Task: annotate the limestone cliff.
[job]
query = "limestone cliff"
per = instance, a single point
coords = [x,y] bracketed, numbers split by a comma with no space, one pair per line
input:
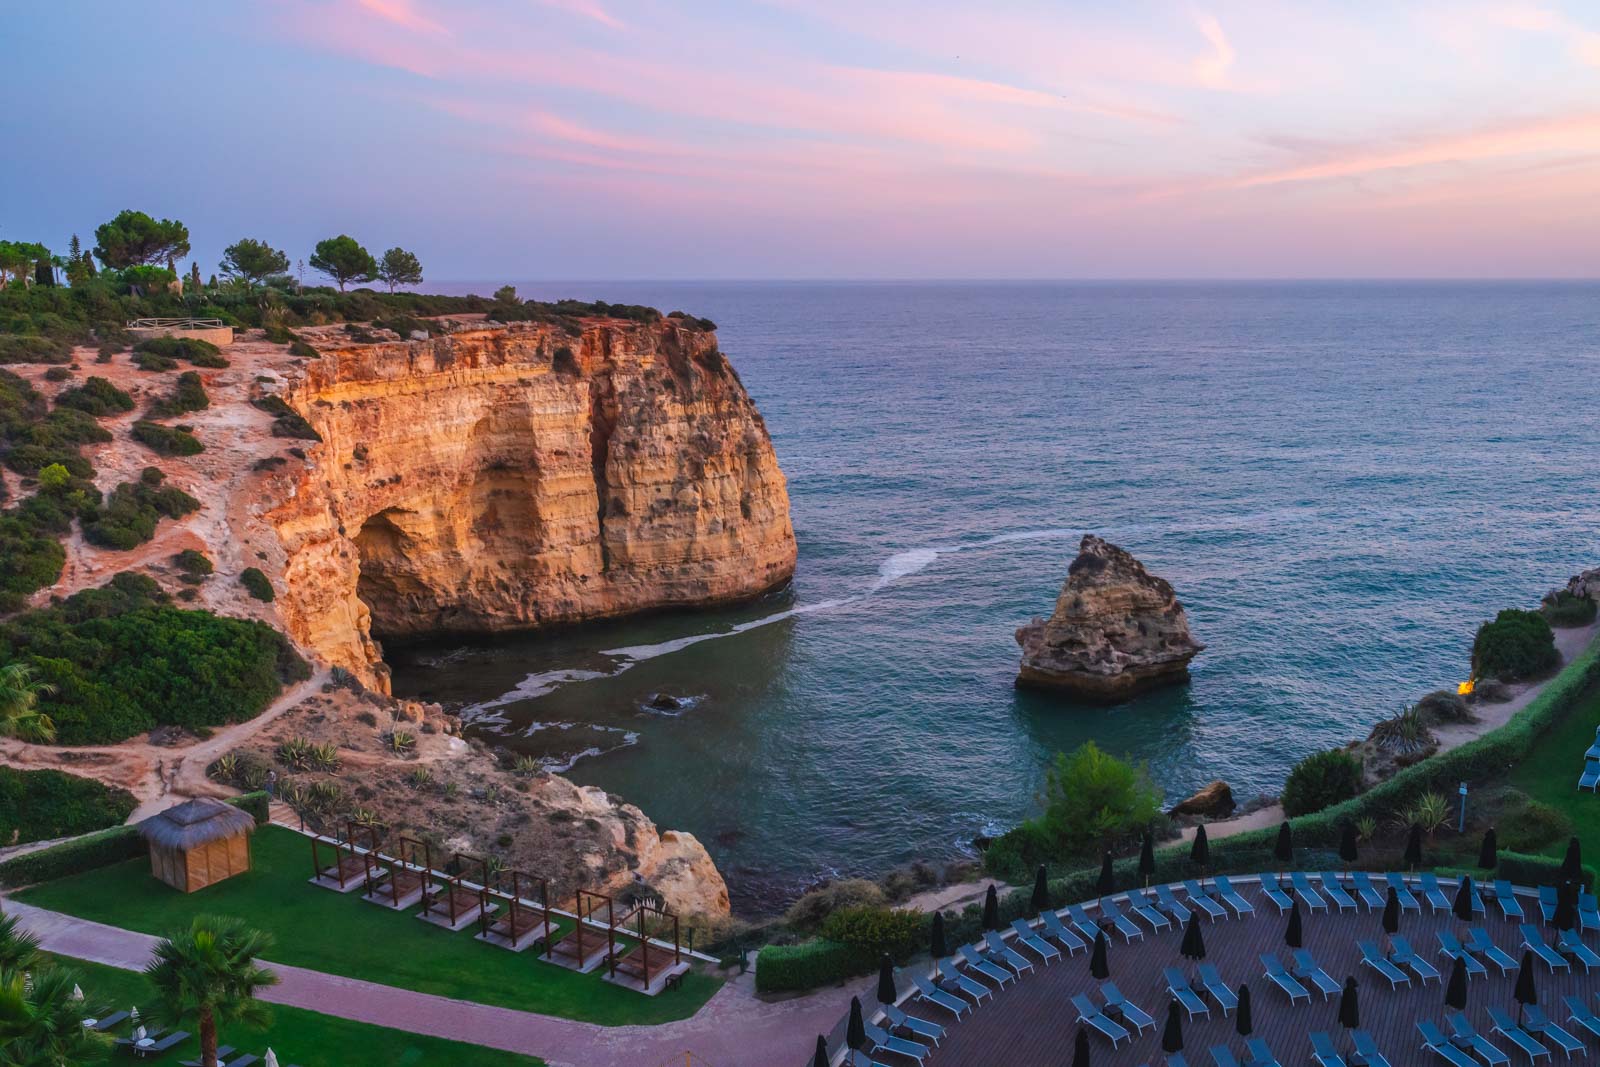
[1117,630]
[517,476]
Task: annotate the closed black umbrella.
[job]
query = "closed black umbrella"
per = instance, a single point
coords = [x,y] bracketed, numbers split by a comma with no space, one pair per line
[1108,880]
[1172,1035]
[1526,993]
[1462,905]
[1347,843]
[1097,959]
[1293,935]
[1566,916]
[1350,1005]
[1572,862]
[1283,851]
[886,990]
[1147,858]
[1200,851]
[1391,913]
[1080,1048]
[940,949]
[855,1034]
[1489,851]
[821,1058]
[1041,891]
[991,909]
[1414,846]
[1194,942]
[1241,1018]
[1455,992]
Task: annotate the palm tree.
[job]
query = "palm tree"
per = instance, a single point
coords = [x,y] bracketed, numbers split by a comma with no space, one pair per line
[19,950]
[19,705]
[41,1024]
[209,974]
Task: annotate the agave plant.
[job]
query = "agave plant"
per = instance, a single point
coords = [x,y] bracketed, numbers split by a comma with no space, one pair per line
[1405,734]
[450,789]
[323,796]
[401,742]
[366,818]
[526,766]
[226,769]
[253,776]
[325,757]
[491,794]
[291,792]
[295,753]
[1366,827]
[419,777]
[1432,811]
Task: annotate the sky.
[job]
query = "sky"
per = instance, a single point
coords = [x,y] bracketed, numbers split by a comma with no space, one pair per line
[700,139]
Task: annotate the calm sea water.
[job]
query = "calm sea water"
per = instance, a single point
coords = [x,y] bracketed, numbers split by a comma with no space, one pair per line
[1341,481]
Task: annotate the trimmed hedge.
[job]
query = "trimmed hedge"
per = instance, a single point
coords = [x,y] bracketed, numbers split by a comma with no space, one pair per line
[790,968]
[40,805]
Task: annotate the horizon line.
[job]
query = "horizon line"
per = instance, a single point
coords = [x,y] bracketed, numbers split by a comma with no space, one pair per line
[1005,280]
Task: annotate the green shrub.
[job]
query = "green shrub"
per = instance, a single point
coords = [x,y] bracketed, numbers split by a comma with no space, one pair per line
[189,394]
[26,349]
[299,348]
[128,517]
[1569,609]
[809,912]
[874,931]
[96,396]
[153,362]
[1521,869]
[790,968]
[40,805]
[257,584]
[189,349]
[1517,644]
[193,562]
[1320,780]
[288,421]
[1091,800]
[166,440]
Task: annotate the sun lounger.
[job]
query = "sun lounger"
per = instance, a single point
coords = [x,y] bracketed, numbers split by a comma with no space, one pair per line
[1000,952]
[1223,1056]
[1178,986]
[1408,901]
[1571,944]
[249,1059]
[1125,1010]
[1371,957]
[861,1059]
[1588,911]
[887,1042]
[1261,1054]
[1308,893]
[1172,905]
[1536,1022]
[167,1041]
[1082,923]
[1232,897]
[1283,979]
[1334,888]
[899,1020]
[1593,751]
[1581,1015]
[1176,1060]
[1306,969]
[1323,1052]
[955,979]
[100,1026]
[1275,893]
[1216,988]
[931,993]
[1531,938]
[1548,902]
[1120,922]
[1430,890]
[989,969]
[1482,1047]
[1200,899]
[1366,890]
[1033,942]
[1507,1027]
[1506,897]
[222,1057]
[1478,941]
[1451,948]
[1140,905]
[1368,1050]
[1590,778]
[151,1034]
[1433,1039]
[1088,1013]
[1407,957]
[1068,939]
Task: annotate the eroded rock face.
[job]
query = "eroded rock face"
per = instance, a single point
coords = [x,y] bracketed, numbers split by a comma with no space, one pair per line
[515,477]
[1117,630]
[1214,801]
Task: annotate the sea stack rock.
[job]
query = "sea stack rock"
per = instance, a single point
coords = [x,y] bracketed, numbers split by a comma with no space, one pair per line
[1117,631]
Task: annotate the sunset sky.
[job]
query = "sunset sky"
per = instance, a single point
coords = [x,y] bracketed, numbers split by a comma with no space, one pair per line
[824,138]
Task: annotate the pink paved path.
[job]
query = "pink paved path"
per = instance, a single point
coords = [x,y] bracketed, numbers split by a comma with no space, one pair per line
[734,1029]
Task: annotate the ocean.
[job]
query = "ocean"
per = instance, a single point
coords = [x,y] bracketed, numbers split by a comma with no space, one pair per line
[1341,481]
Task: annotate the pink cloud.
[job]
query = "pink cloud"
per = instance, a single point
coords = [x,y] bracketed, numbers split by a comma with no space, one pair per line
[588,9]
[401,13]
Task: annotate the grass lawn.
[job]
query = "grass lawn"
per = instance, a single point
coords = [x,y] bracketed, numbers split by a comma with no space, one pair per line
[305,1038]
[1550,774]
[344,935]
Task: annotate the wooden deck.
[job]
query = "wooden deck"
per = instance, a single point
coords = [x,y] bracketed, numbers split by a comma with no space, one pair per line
[1031,1021]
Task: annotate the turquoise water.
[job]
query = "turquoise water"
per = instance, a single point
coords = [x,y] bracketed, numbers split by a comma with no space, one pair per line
[1340,480]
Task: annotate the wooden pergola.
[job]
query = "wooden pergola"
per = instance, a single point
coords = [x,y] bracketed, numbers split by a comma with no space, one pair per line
[406,881]
[522,919]
[455,905]
[581,948]
[350,864]
[645,962]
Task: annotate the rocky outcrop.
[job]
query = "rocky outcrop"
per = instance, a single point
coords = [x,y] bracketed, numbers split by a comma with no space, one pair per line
[1214,801]
[1117,631]
[517,477]
[1586,585]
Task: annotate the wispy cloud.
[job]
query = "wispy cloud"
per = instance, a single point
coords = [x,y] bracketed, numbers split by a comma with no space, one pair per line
[587,9]
[401,13]
[1213,68]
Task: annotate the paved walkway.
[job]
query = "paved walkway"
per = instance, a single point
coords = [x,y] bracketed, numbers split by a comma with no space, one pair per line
[733,1029]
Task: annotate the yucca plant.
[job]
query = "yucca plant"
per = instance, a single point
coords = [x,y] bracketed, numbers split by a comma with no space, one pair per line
[291,792]
[295,753]
[323,796]
[450,789]
[526,766]
[1366,827]
[325,757]
[226,769]
[401,742]
[419,777]
[491,794]
[366,818]
[1432,811]
[253,776]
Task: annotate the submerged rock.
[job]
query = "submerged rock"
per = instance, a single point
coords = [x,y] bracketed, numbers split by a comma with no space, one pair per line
[1214,801]
[666,702]
[1117,631]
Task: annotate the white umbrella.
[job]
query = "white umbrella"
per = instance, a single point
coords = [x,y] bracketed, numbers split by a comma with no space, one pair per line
[133,1013]
[271,1060]
[77,993]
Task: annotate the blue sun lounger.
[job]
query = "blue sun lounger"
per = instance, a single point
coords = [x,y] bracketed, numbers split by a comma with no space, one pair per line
[1506,897]
[1368,1049]
[1366,890]
[1434,1040]
[1588,911]
[1275,893]
[1178,986]
[1537,1023]
[1223,1056]
[1172,905]
[986,967]
[1030,940]
[1571,944]
[1202,900]
[1323,1052]
[1232,897]
[1122,1008]
[1590,778]
[1334,888]
[1408,901]
[883,1040]
[931,993]
[1068,939]
[1120,922]
[1407,957]
[1088,1013]
[1531,938]
[1451,948]
[1211,981]
[1508,1028]
[1283,979]
[1002,953]
[1261,1054]
[1307,970]
[1371,957]
[1482,1047]
[1548,902]
[1581,1015]
[1140,905]
[1307,891]
[1082,923]
[1177,1060]
[899,1020]
[1430,889]
[1594,749]
[1478,941]
[954,978]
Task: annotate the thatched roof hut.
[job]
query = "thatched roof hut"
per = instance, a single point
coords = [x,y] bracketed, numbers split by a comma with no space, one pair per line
[198,843]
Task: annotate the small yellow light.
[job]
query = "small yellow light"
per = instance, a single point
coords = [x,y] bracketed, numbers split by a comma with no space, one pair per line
[1465,688]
